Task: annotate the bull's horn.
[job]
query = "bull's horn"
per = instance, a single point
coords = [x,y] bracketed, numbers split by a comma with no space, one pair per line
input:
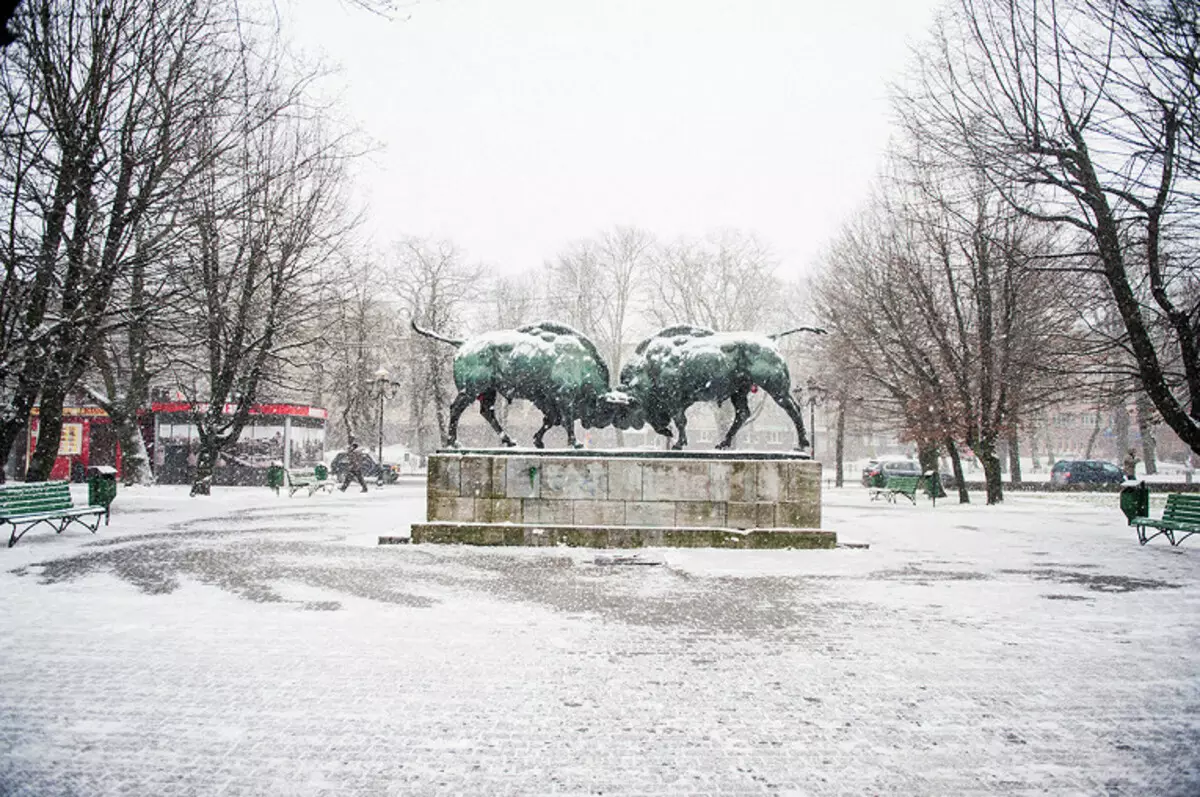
[814,330]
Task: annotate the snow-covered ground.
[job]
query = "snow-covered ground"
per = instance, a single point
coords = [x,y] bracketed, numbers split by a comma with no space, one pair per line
[250,644]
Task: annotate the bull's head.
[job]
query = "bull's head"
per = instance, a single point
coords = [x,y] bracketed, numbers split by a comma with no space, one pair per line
[619,409]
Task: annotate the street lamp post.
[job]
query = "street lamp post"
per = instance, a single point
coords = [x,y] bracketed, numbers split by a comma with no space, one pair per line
[814,391]
[384,389]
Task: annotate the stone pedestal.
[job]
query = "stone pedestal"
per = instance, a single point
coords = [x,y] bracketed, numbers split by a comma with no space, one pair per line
[623,498]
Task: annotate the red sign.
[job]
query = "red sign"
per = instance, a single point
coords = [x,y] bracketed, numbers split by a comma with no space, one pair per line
[300,410]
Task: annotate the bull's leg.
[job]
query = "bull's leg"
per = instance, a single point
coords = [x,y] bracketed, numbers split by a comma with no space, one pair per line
[460,403]
[661,424]
[548,423]
[681,425]
[741,414]
[487,408]
[569,425]
[796,414]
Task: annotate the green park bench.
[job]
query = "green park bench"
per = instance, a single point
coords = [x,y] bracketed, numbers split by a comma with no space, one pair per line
[1180,518]
[310,479]
[24,506]
[907,486]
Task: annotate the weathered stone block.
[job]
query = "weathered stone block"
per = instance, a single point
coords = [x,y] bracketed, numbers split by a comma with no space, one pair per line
[460,510]
[798,515]
[574,479]
[649,513]
[699,513]
[499,466]
[749,515]
[690,538]
[625,538]
[790,539]
[624,480]
[768,483]
[742,481]
[537,510]
[720,474]
[522,477]
[443,476]
[498,510]
[675,480]
[467,534]
[598,513]
[801,480]
[476,478]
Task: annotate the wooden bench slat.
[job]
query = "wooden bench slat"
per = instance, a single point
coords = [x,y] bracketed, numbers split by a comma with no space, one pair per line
[35,494]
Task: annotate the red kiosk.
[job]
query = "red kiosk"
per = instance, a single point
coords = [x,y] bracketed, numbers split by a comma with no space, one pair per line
[293,434]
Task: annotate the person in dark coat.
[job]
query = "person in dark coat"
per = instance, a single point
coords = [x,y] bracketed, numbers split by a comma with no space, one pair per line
[354,466]
[1131,462]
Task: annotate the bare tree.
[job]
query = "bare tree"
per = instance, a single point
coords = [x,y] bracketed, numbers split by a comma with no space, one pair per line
[356,321]
[934,302]
[104,99]
[437,288]
[595,285]
[727,282]
[263,218]
[1082,114]
[511,301]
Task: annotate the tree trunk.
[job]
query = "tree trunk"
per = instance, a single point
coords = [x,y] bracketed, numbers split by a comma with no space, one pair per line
[992,477]
[1014,456]
[10,430]
[840,443]
[1120,427]
[959,477]
[956,467]
[1087,454]
[206,463]
[927,455]
[135,459]
[50,422]
[1145,422]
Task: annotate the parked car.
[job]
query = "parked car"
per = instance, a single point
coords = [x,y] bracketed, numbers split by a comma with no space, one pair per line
[1085,471]
[370,468]
[877,470]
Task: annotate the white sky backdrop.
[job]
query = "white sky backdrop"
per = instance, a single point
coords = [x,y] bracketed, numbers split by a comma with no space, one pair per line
[515,126]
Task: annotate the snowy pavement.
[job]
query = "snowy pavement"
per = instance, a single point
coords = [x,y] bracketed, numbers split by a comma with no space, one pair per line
[250,644]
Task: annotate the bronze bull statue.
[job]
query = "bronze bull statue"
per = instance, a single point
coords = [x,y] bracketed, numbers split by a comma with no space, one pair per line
[682,365]
[548,364]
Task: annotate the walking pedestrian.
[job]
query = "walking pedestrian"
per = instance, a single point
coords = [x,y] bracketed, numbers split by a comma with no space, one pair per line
[1131,462]
[354,465]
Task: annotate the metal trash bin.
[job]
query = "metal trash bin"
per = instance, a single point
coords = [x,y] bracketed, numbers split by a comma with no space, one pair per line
[275,476]
[321,472]
[1135,501]
[102,487]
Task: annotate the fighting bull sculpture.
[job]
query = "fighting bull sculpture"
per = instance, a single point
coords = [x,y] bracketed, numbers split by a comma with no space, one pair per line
[546,363]
[682,365]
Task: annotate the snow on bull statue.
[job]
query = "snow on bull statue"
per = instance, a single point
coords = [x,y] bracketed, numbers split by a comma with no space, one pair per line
[682,365]
[547,363]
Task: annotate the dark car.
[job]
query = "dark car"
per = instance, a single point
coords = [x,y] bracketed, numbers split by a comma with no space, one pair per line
[370,468]
[1085,471]
[877,470]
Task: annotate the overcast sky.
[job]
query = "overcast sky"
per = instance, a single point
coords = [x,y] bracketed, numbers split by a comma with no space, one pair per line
[515,126]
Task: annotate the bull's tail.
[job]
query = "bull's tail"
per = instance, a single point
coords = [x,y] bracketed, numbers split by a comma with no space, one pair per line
[434,335]
[814,330]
